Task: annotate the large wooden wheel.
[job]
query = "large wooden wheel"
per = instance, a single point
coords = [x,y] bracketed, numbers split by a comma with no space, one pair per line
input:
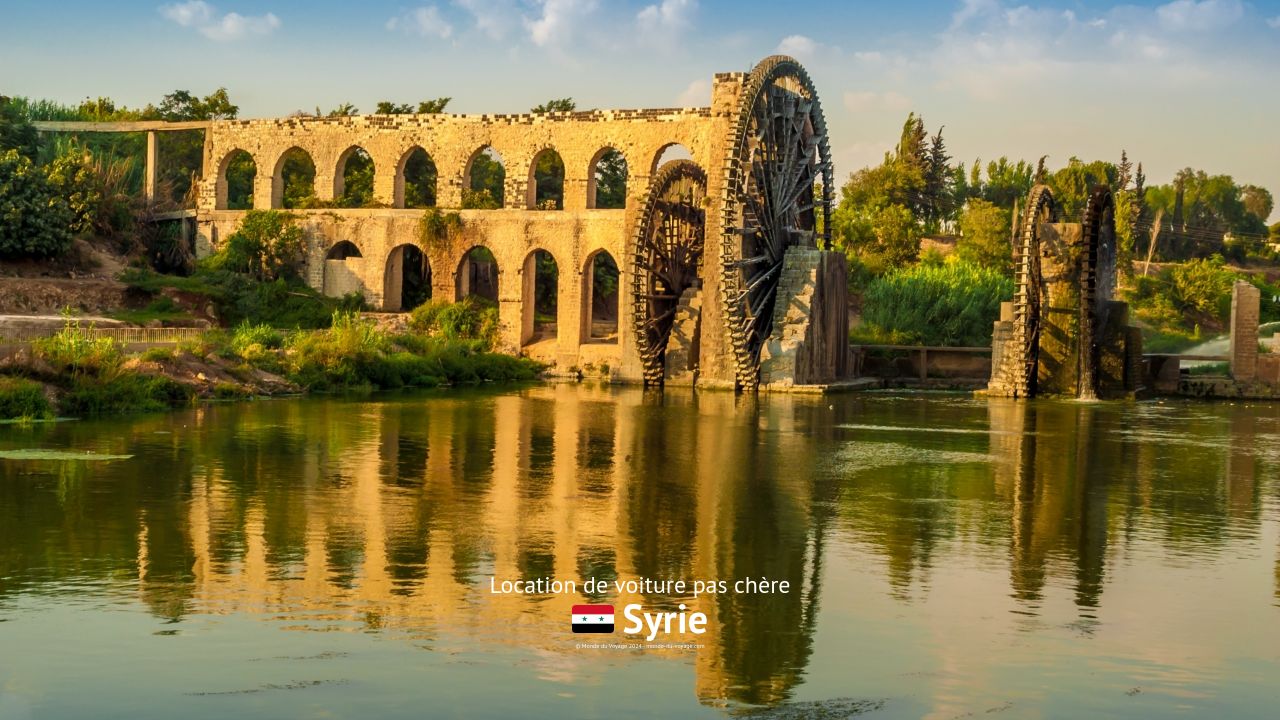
[667,254]
[1097,278]
[778,153]
[1024,360]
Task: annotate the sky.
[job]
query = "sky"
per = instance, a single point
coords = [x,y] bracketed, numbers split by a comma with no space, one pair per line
[1186,83]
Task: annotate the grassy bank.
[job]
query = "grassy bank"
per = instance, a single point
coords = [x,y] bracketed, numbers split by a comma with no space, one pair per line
[74,373]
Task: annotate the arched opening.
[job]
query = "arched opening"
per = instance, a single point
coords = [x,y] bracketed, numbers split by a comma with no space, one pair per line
[607,180]
[353,179]
[416,180]
[668,153]
[343,250]
[541,278]
[343,270]
[294,180]
[408,279]
[486,177]
[600,295]
[235,183]
[477,275]
[546,181]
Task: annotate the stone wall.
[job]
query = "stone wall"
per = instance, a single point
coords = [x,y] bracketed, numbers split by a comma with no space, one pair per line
[572,236]
[1245,313]
[809,343]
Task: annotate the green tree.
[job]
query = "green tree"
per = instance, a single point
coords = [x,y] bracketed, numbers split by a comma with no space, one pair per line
[357,180]
[1257,201]
[557,105]
[1073,184]
[426,107]
[267,246]
[35,220]
[897,234]
[611,181]
[16,133]
[488,177]
[984,236]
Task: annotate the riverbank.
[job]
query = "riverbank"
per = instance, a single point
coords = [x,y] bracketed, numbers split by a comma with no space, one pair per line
[76,373]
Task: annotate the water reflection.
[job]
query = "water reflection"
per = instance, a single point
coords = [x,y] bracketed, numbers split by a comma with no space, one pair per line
[392,516]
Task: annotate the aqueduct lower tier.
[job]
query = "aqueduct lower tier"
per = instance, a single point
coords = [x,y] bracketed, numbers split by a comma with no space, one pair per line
[760,125]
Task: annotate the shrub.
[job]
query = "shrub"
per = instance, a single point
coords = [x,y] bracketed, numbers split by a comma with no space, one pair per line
[472,318]
[1202,286]
[267,246]
[122,393]
[23,399]
[955,304]
[96,190]
[75,350]
[247,334]
[984,236]
[35,221]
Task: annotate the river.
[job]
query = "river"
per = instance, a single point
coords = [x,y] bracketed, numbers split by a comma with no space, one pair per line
[944,556]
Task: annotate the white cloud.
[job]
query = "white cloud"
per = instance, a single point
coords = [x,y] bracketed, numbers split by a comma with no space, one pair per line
[494,18]
[661,23]
[805,48]
[1204,15]
[425,21]
[698,94]
[204,18]
[867,101]
[556,25]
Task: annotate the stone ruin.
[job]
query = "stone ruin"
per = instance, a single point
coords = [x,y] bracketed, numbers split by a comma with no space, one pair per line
[1063,334]
[725,275]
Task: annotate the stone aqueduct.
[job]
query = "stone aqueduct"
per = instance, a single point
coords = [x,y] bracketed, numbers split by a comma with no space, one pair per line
[726,141]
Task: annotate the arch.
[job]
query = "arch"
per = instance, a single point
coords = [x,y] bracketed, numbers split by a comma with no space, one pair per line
[293,181]
[406,282]
[353,178]
[670,152]
[477,275]
[236,174]
[415,179]
[539,305]
[343,270]
[545,190]
[342,250]
[607,180]
[600,282]
[486,179]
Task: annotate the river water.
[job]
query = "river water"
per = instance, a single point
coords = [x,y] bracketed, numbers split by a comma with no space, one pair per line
[945,557]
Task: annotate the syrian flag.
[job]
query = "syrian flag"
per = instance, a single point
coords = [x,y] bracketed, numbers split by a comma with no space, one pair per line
[592,618]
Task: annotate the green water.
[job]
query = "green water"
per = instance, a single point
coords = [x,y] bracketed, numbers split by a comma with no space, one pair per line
[947,557]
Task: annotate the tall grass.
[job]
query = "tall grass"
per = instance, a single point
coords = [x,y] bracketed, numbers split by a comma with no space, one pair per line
[954,304]
[473,318]
[21,398]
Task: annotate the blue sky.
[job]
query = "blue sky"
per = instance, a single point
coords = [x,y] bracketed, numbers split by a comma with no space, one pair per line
[1180,83]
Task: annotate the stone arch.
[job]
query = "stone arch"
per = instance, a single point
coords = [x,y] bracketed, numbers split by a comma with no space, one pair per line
[485,173]
[600,288]
[477,275]
[545,189]
[293,180]
[406,281]
[353,178]
[540,291]
[667,153]
[416,179]
[343,269]
[236,175]
[607,180]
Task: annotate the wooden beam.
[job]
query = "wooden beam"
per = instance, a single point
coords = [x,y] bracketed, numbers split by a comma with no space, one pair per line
[151,170]
[127,126]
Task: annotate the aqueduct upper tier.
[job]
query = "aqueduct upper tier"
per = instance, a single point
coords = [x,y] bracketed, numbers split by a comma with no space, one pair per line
[760,149]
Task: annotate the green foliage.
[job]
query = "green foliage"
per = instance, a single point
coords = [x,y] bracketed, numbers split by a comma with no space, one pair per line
[548,178]
[299,175]
[611,181]
[435,227]
[120,393]
[472,318]
[98,190]
[35,220]
[267,246]
[955,304]
[1202,286]
[557,105]
[426,107]
[16,133]
[1072,185]
[247,334]
[161,309]
[897,234]
[23,399]
[240,173]
[77,351]
[984,236]
[357,181]
[488,176]
[419,180]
